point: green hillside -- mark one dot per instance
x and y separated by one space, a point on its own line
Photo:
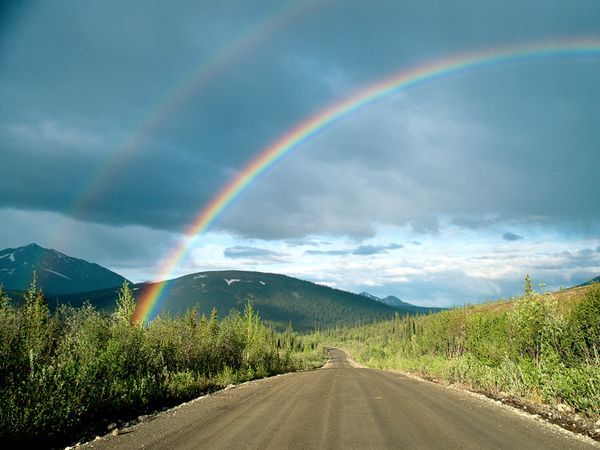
279 299
594 280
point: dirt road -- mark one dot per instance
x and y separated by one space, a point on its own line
341 406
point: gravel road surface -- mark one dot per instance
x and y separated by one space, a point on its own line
342 406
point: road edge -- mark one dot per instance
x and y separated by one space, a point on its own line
168 410
525 409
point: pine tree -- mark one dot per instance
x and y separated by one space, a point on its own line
31 293
191 317
528 286
35 303
213 322
36 316
125 304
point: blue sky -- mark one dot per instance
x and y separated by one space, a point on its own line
120 121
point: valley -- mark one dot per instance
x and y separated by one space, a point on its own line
217 329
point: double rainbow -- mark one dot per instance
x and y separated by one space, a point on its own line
150 303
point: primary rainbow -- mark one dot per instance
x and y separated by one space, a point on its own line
150 303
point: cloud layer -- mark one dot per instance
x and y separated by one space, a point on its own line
104 137
122 122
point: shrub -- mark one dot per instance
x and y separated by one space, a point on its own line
62 372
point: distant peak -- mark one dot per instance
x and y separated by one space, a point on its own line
33 245
393 298
372 297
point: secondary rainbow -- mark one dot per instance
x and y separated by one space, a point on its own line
150 303
222 59
198 78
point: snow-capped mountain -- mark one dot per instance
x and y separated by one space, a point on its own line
56 273
372 297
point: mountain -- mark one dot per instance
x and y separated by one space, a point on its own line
57 274
372 297
593 280
279 299
402 306
392 300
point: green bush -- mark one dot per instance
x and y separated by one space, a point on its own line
63 372
584 324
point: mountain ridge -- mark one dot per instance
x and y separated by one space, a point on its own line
401 304
56 273
593 280
279 299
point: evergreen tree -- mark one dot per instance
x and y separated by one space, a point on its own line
125 304
31 293
528 286
36 305
192 317
213 322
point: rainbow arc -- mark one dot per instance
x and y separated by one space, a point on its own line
456 65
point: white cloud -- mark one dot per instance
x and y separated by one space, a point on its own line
454 267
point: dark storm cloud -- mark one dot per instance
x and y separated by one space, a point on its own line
510 236
109 82
80 78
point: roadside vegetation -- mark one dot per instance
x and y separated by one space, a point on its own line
66 371
543 348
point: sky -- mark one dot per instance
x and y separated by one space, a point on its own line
120 121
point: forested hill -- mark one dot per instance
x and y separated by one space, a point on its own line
279 299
